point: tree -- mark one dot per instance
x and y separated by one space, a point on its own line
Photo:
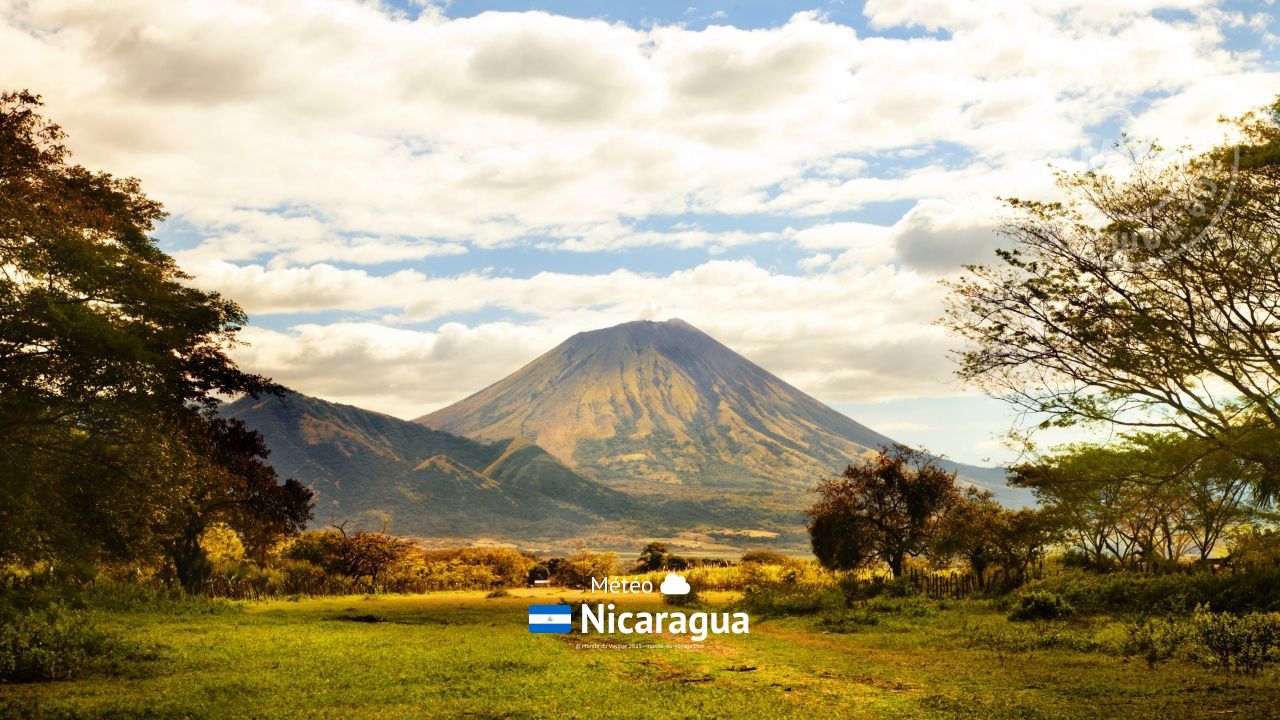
986 535
1020 537
966 530
111 368
1160 315
579 569
1146 499
222 479
883 510
1216 489
654 556
368 554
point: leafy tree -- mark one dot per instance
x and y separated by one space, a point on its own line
369 554
1149 302
218 477
765 557
111 367
658 556
1216 490
653 556
883 510
1146 499
1020 537
985 534
577 570
966 531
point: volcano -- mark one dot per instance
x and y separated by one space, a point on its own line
662 408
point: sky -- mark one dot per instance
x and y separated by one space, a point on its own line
412 200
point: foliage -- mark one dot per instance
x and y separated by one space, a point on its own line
577 570
1146 500
332 562
763 557
1252 546
111 366
1237 643
848 621
1013 639
1146 300
1039 605
658 556
884 510
55 643
984 534
791 589
1127 592
1154 639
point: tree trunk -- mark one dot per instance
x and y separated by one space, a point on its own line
186 554
895 564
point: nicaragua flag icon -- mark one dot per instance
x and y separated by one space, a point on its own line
550 618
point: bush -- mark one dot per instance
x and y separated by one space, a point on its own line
55 644
578 570
914 606
847 621
766 600
1038 605
1256 589
765 557
499 593
1252 546
1023 639
1154 639
1237 643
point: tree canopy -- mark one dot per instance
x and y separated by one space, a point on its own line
1151 301
883 510
111 368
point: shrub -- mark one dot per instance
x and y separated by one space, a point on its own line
55 644
1237 643
1022 639
576 571
1154 639
765 557
846 621
1256 589
1252 546
914 606
1038 605
899 587
777 599
499 593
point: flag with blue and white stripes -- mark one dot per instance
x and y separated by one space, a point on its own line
550 619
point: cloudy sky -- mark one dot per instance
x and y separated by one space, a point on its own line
414 199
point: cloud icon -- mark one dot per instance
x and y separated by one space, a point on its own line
673 584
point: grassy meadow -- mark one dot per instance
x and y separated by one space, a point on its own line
463 655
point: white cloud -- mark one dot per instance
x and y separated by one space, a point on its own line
854 335
504 126
301 139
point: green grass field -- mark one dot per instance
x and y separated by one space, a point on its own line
460 655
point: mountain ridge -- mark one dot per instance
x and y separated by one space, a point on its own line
376 469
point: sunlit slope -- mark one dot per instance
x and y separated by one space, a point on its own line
664 408
366 467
